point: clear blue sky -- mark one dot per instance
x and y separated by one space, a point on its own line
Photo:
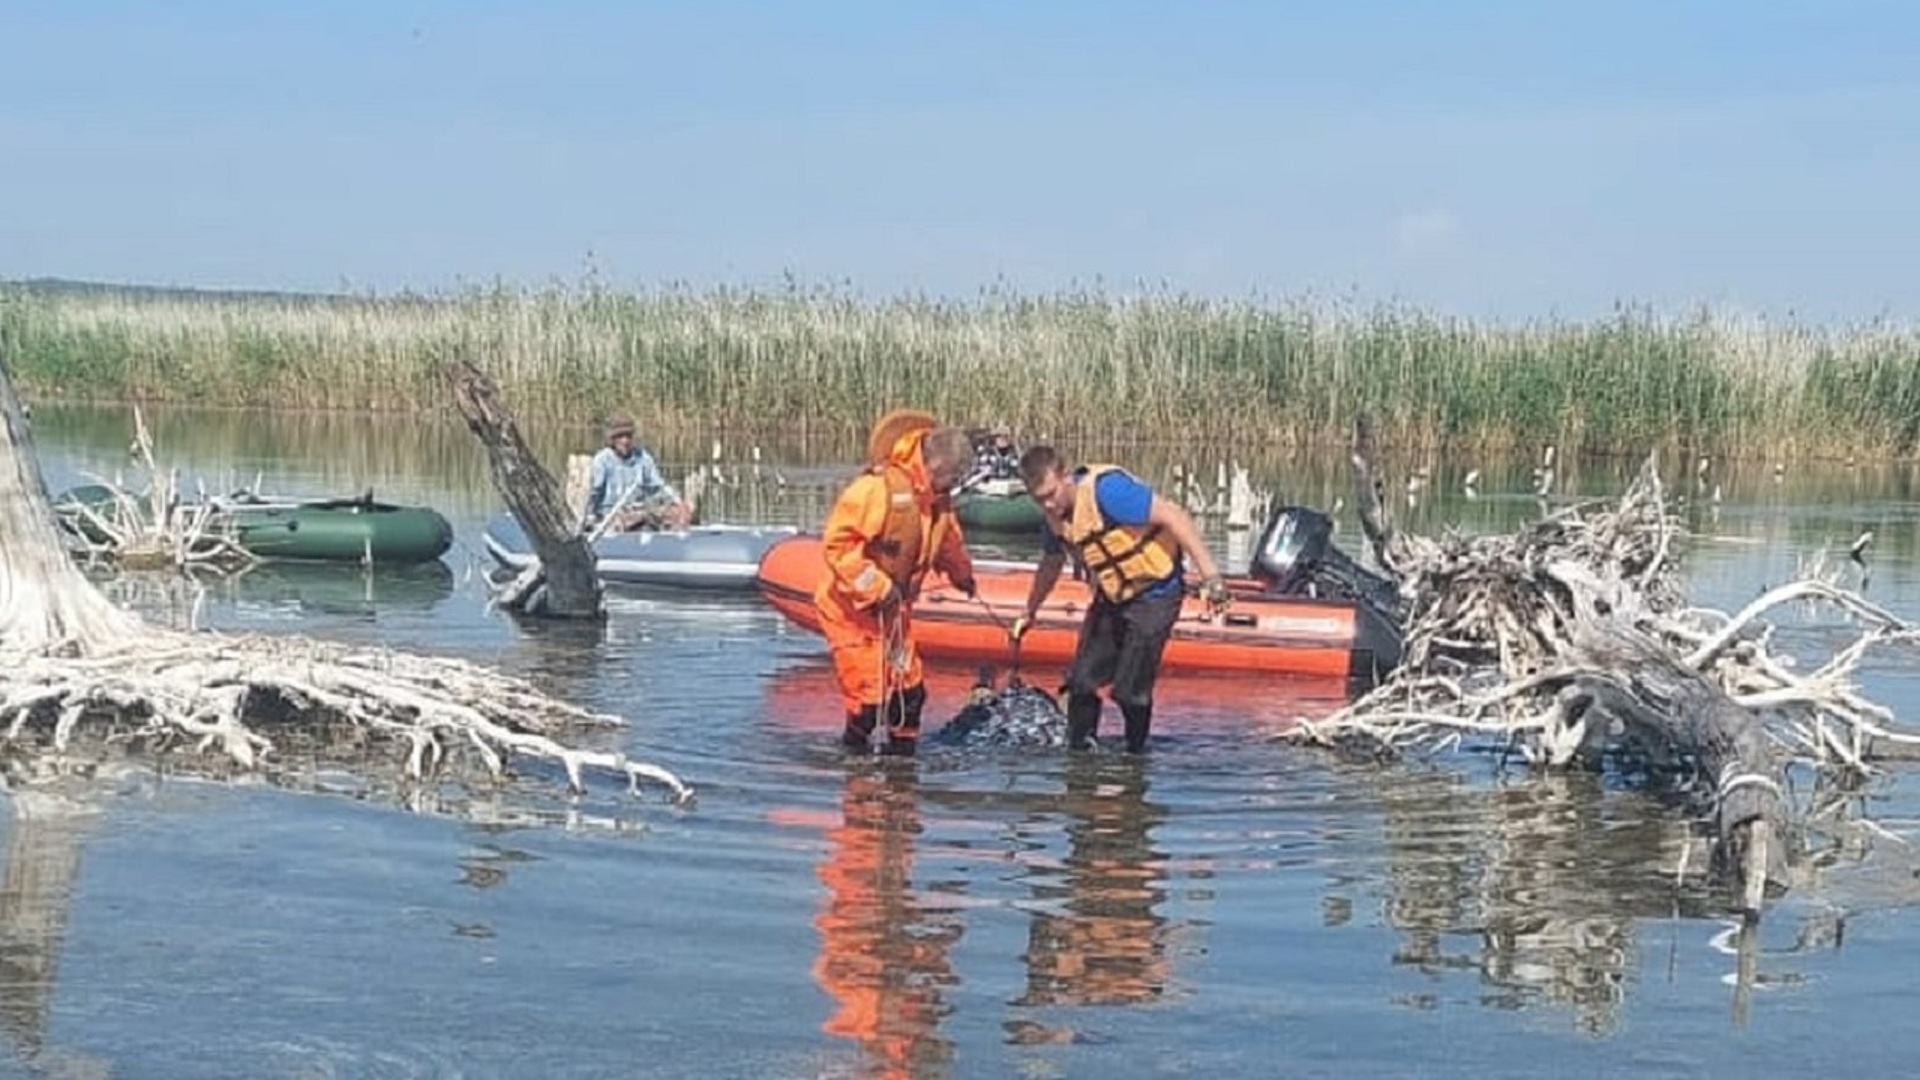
1514 159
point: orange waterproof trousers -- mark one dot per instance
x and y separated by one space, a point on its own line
873 654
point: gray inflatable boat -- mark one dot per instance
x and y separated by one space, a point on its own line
708 557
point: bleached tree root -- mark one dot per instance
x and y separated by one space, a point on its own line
1570 641
204 694
72 663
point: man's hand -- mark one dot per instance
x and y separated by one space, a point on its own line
890 602
1214 592
967 586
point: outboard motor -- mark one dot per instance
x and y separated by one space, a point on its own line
1294 542
1296 556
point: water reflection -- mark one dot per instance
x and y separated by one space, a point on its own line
273 592
1535 887
487 866
1096 936
885 956
568 657
43 858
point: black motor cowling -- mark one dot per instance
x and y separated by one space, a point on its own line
1296 556
1295 540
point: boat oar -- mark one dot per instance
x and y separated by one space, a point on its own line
601 526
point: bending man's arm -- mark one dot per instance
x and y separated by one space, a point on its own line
1176 523
1044 577
653 480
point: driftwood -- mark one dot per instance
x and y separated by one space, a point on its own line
562 583
1571 643
78 674
153 529
1369 490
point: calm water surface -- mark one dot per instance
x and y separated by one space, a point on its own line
1226 907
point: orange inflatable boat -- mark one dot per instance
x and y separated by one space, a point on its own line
1263 632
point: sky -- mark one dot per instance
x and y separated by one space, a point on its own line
1511 160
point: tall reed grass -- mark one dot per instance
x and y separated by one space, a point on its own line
820 364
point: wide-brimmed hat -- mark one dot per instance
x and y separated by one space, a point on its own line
619 424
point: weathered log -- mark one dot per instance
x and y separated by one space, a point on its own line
563 583
1631 693
1369 491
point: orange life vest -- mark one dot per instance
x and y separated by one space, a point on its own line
907 544
914 528
1123 560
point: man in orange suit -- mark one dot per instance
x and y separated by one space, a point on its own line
890 526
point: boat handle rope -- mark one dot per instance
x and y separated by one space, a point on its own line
1013 643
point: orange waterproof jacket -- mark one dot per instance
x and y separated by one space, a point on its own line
885 532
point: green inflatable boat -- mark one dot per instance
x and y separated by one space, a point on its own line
356 530
997 506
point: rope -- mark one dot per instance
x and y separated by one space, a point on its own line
892 666
1013 643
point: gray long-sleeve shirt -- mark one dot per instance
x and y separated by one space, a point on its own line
629 481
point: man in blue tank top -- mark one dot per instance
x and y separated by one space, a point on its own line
1133 546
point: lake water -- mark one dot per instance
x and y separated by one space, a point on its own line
1226 906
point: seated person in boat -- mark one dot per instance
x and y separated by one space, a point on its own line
1132 544
627 485
994 459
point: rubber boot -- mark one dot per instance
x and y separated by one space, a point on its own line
1083 720
860 728
1139 723
903 722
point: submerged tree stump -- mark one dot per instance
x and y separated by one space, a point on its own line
562 583
1571 642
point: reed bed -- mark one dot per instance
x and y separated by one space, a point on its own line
819 364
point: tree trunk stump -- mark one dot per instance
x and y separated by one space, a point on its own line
563 583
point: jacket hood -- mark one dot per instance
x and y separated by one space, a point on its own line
883 441
895 442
